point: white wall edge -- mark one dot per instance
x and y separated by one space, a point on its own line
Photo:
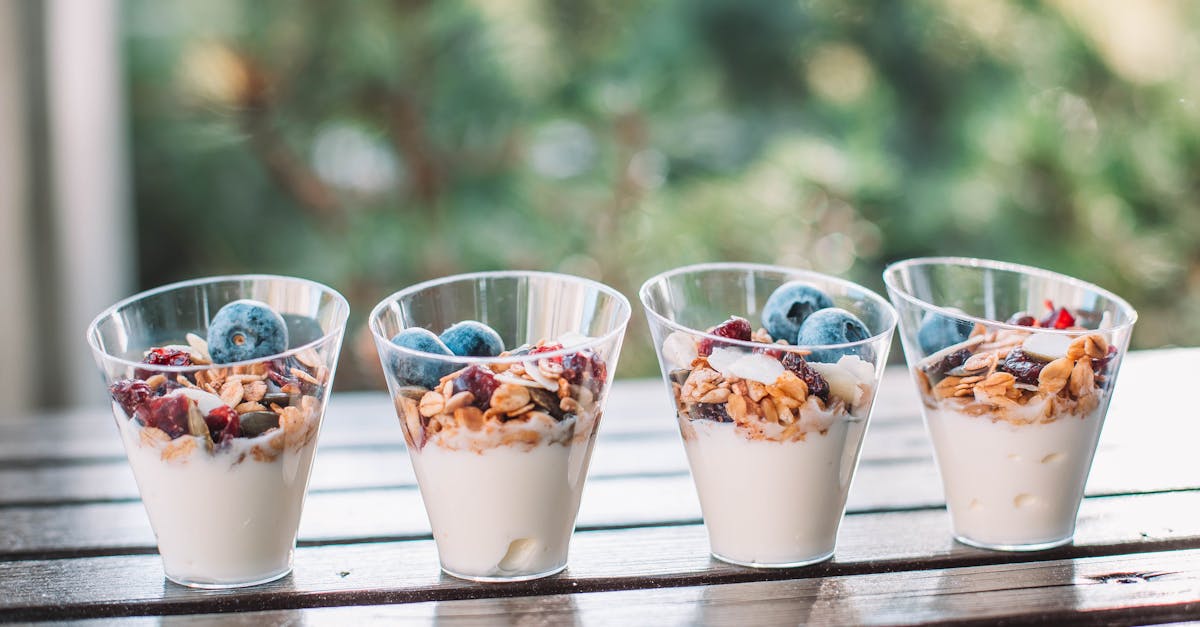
92 222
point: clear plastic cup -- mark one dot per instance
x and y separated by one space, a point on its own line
1014 411
772 432
501 445
224 497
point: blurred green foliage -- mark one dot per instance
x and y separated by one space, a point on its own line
372 144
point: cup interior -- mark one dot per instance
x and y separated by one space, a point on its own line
523 307
698 297
990 292
166 314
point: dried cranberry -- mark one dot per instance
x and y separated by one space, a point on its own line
585 368
734 328
220 419
129 393
1057 318
817 385
478 381
949 362
1100 366
168 413
1022 319
280 379
167 357
1025 368
710 411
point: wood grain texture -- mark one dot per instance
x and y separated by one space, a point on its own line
395 572
1157 587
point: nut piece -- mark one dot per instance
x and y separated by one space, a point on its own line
178 448
232 392
153 436
792 385
155 381
736 407
997 384
1082 378
1092 346
1054 375
411 416
716 395
432 404
462 399
254 391
469 417
980 361
946 387
509 397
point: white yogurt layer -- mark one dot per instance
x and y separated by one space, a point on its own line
1010 485
773 503
505 511
224 518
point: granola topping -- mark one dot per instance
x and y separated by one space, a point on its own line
522 404
768 394
1018 376
264 408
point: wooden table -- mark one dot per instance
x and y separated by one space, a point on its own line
75 542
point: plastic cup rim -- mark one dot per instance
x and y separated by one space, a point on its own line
891 272
799 274
592 342
338 328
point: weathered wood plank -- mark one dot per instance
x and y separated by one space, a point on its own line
601 560
1141 589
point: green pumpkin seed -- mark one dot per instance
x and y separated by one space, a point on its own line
546 401
256 423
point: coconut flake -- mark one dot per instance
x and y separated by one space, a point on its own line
859 367
205 401
757 367
679 350
843 382
1047 346
531 369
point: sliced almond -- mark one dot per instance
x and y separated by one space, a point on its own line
432 404
232 392
254 391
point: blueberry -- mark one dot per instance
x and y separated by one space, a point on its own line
302 329
789 305
472 339
246 329
424 372
833 325
938 332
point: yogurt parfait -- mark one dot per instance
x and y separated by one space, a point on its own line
772 418
218 389
500 416
1015 367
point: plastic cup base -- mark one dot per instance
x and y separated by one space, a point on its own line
806 562
209 585
1037 546
505 579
